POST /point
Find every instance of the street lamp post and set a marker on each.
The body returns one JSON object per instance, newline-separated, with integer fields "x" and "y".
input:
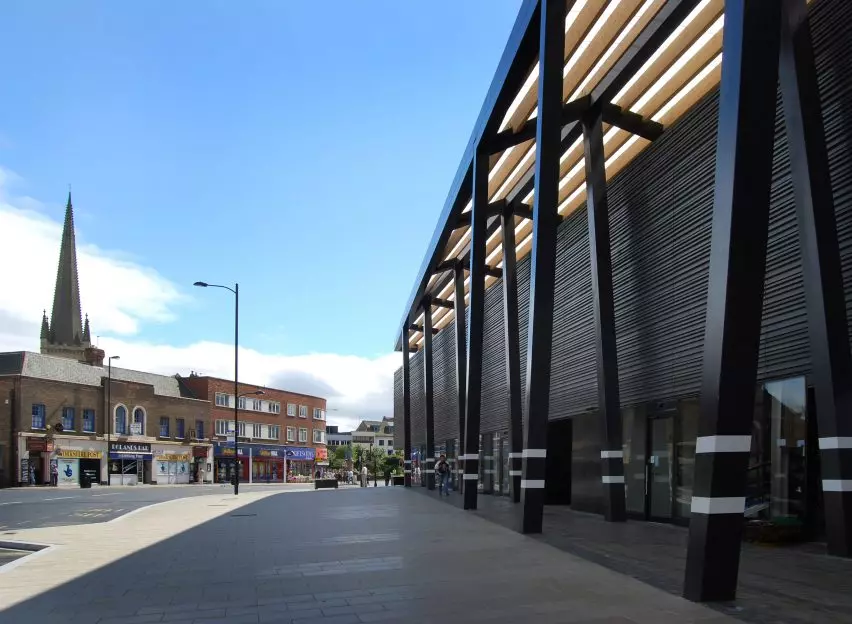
{"x": 236, "y": 291}
{"x": 108, "y": 413}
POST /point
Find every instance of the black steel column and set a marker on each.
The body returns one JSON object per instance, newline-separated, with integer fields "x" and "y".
{"x": 609, "y": 404}
{"x": 461, "y": 365}
{"x": 827, "y": 323}
{"x": 746, "y": 129}
{"x": 428, "y": 390}
{"x": 543, "y": 267}
{"x": 406, "y": 407}
{"x": 475, "y": 330}
{"x": 513, "y": 354}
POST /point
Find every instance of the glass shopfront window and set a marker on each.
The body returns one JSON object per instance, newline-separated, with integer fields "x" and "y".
{"x": 777, "y": 478}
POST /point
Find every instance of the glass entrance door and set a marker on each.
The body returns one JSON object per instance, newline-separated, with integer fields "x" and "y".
{"x": 659, "y": 474}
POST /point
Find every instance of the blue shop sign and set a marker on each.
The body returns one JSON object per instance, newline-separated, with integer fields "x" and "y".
{"x": 298, "y": 453}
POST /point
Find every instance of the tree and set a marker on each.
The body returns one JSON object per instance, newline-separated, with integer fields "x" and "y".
{"x": 338, "y": 458}
{"x": 359, "y": 456}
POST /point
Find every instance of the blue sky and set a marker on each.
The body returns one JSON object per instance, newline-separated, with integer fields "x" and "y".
{"x": 301, "y": 148}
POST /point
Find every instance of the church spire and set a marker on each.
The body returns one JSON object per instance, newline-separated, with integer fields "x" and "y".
{"x": 45, "y": 328}
{"x": 66, "y": 326}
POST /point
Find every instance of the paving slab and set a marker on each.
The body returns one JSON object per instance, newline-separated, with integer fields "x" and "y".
{"x": 344, "y": 556}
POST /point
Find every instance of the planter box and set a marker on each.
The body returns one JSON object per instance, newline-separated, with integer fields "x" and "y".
{"x": 323, "y": 484}
{"x": 399, "y": 480}
{"x": 764, "y": 532}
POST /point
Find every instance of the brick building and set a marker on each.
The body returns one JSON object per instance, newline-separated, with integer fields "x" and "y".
{"x": 52, "y": 410}
{"x": 62, "y": 407}
{"x": 280, "y": 432}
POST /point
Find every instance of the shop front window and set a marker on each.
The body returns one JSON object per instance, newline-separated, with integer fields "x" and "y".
{"x": 776, "y": 475}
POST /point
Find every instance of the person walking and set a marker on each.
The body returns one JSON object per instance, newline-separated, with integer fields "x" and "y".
{"x": 364, "y": 475}
{"x": 387, "y": 475}
{"x": 442, "y": 469}
{"x": 54, "y": 474}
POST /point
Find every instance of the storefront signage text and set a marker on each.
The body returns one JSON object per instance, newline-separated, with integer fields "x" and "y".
{"x": 76, "y": 453}
{"x": 39, "y": 444}
{"x": 173, "y": 458}
{"x": 130, "y": 447}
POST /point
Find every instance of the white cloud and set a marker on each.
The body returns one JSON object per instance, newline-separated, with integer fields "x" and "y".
{"x": 122, "y": 296}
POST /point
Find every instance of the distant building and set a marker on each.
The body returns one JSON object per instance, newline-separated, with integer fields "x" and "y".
{"x": 375, "y": 433}
{"x": 277, "y": 426}
{"x": 337, "y": 438}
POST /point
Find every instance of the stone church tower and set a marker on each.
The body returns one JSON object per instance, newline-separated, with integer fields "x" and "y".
{"x": 66, "y": 335}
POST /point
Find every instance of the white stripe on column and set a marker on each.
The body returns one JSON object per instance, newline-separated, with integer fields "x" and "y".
{"x": 407, "y": 472}
{"x": 489, "y": 471}
{"x": 534, "y": 453}
{"x": 612, "y": 479}
{"x": 428, "y": 470}
{"x": 837, "y": 485}
{"x": 429, "y": 460}
{"x": 471, "y": 456}
{"x": 612, "y": 454}
{"x": 723, "y": 444}
{"x": 719, "y": 505}
{"x": 534, "y": 484}
{"x": 407, "y": 461}
{"x": 515, "y": 455}
{"x": 516, "y": 473}
{"x": 835, "y": 443}
{"x": 471, "y": 477}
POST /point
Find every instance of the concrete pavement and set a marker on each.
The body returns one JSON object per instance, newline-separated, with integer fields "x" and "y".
{"x": 330, "y": 557}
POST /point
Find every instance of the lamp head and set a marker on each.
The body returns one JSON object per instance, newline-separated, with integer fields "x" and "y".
{"x": 201, "y": 284}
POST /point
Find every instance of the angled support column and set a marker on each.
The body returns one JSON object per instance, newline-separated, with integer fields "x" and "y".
{"x": 461, "y": 364}
{"x": 609, "y": 404}
{"x": 827, "y": 323}
{"x": 746, "y": 129}
{"x": 406, "y": 407}
{"x": 475, "y": 330}
{"x": 429, "y": 392}
{"x": 543, "y": 268}
{"x": 513, "y": 353}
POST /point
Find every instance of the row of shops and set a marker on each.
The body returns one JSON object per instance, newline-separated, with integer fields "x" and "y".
{"x": 258, "y": 463}
{"x": 129, "y": 463}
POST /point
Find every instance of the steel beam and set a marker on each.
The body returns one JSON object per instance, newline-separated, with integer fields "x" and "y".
{"x": 442, "y": 303}
{"x": 631, "y": 122}
{"x": 406, "y": 407}
{"x": 429, "y": 393}
{"x": 667, "y": 19}
{"x": 609, "y": 403}
{"x": 824, "y": 293}
{"x": 461, "y": 364}
{"x": 475, "y": 329}
{"x": 420, "y": 328}
{"x": 746, "y": 131}
{"x": 543, "y": 267}
{"x": 571, "y": 112}
{"x": 513, "y": 354}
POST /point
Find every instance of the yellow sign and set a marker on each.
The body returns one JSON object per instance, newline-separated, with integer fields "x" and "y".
{"x": 75, "y": 453}
{"x": 173, "y": 458}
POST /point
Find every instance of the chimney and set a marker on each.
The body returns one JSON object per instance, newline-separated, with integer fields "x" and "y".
{"x": 94, "y": 356}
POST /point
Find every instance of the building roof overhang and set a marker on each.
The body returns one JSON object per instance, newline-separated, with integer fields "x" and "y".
{"x": 643, "y": 62}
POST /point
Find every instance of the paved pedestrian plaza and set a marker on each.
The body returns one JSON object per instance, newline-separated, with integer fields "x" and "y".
{"x": 332, "y": 557}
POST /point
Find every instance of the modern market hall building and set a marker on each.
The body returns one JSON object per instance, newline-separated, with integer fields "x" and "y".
{"x": 635, "y": 300}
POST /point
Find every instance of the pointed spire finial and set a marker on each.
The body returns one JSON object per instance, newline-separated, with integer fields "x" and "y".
{"x": 45, "y": 328}
{"x": 65, "y": 321}
{"x": 87, "y": 337}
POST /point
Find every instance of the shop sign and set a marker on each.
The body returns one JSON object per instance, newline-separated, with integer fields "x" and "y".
{"x": 36, "y": 445}
{"x": 173, "y": 458}
{"x": 199, "y": 451}
{"x": 300, "y": 453}
{"x": 76, "y": 453}
{"x": 69, "y": 471}
{"x": 138, "y": 448}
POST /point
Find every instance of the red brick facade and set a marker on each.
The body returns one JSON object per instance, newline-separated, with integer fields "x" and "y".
{"x": 209, "y": 387}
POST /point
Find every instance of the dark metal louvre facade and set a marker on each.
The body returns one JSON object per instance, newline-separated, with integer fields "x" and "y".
{"x": 398, "y": 415}
{"x": 661, "y": 218}
{"x": 446, "y": 397}
{"x": 418, "y": 401}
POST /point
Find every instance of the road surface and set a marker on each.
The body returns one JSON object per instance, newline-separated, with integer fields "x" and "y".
{"x": 29, "y": 508}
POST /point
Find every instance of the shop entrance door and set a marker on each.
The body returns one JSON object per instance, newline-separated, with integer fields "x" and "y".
{"x": 658, "y": 480}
